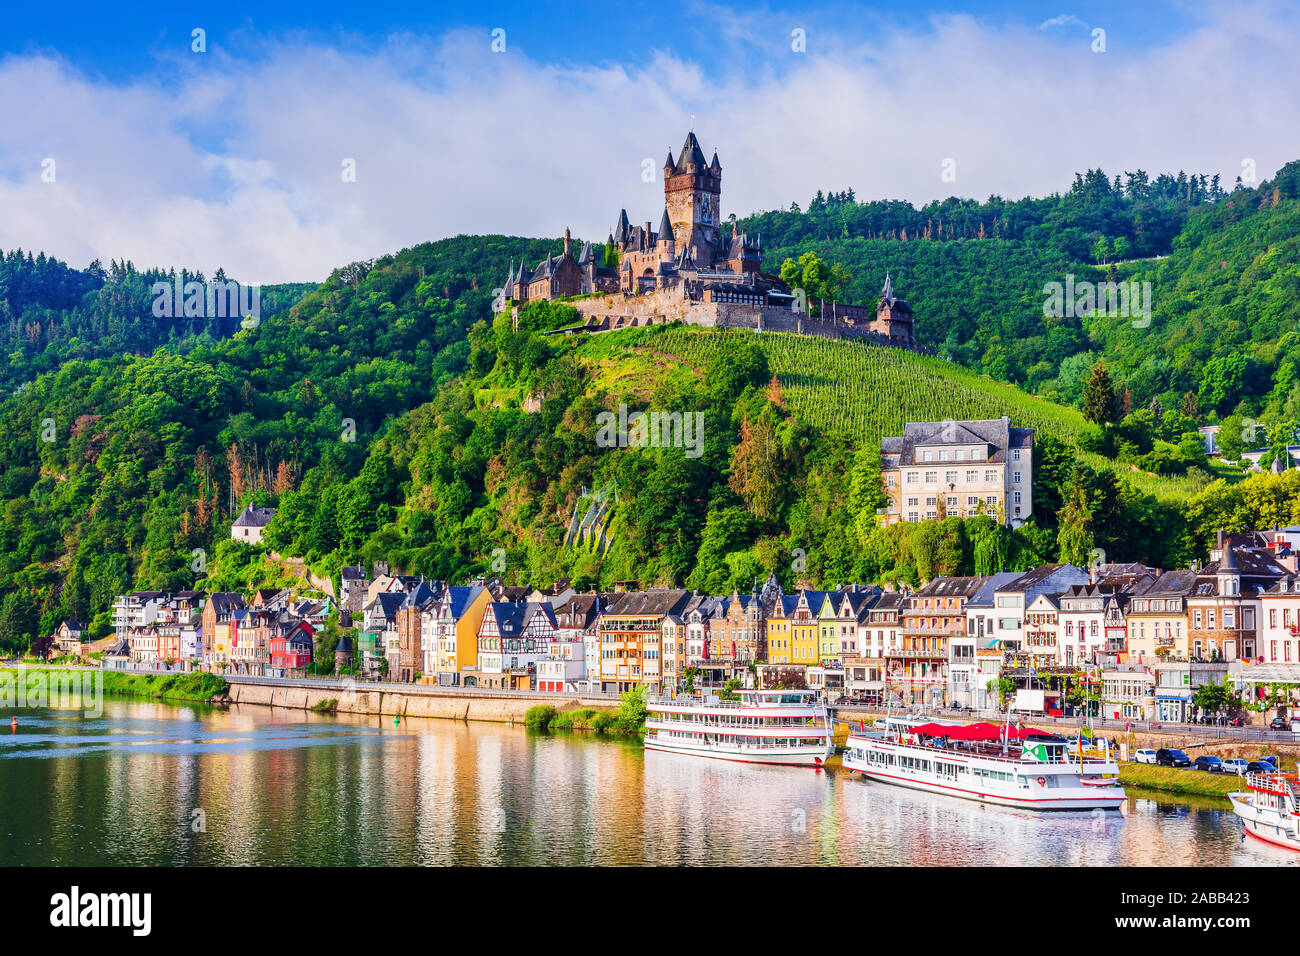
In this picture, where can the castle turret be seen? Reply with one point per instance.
(893, 316)
(665, 232)
(692, 193)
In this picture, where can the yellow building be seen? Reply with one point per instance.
(805, 628)
(459, 615)
(780, 639)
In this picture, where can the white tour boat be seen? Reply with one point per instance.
(789, 727)
(992, 764)
(1269, 808)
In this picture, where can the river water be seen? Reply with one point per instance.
(151, 783)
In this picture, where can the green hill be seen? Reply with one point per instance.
(388, 416)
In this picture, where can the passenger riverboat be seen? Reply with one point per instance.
(1268, 808)
(788, 727)
(1004, 765)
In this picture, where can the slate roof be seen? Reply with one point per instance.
(459, 597)
(255, 517)
(226, 602)
(651, 603)
(1031, 578)
(993, 583)
(665, 227)
(995, 432)
(1172, 582)
(951, 587)
(691, 153)
(888, 298)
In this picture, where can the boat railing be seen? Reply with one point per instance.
(1009, 757)
(659, 701)
(1282, 785)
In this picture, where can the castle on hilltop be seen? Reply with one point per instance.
(691, 270)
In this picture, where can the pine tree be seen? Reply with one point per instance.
(1100, 403)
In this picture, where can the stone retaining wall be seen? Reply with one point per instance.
(464, 706)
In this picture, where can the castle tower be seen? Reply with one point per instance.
(893, 316)
(693, 193)
(665, 238)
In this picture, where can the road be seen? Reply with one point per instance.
(1206, 732)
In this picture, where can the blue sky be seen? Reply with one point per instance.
(120, 141)
(122, 39)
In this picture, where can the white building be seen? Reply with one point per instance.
(248, 527)
(967, 468)
(1279, 633)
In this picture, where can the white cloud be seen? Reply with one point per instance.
(215, 161)
(1062, 20)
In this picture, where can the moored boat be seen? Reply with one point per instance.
(1269, 809)
(1003, 765)
(788, 727)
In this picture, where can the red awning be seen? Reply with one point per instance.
(978, 731)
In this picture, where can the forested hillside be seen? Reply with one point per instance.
(387, 414)
(1224, 268)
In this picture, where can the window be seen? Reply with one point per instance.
(1196, 618)
(931, 477)
(1015, 477)
(990, 476)
(972, 477)
(925, 455)
(1015, 456)
(950, 477)
(911, 477)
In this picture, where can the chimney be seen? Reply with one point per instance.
(1218, 540)
(567, 253)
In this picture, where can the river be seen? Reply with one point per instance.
(163, 784)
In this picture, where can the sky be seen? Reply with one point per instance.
(280, 144)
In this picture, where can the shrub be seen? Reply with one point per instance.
(540, 717)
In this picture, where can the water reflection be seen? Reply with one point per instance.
(149, 783)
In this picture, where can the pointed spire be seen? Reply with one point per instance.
(715, 165)
(665, 228)
(887, 294)
(669, 163)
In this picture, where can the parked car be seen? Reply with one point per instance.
(1279, 723)
(1256, 767)
(1172, 758)
(1144, 756)
(1234, 765)
(1209, 763)
(1271, 758)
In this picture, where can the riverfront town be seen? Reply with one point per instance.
(1121, 641)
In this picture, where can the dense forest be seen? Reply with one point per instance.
(387, 414)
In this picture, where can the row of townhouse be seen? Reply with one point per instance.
(191, 630)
